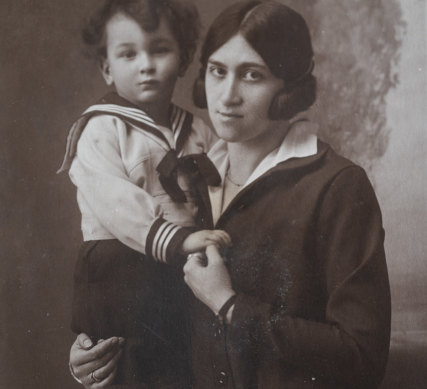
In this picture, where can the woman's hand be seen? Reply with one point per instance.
(95, 366)
(211, 284)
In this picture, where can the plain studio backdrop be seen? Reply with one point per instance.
(371, 66)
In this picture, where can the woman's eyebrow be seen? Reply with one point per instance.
(240, 65)
(217, 63)
(252, 65)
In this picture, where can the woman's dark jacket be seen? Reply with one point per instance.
(308, 264)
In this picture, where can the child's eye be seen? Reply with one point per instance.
(252, 75)
(128, 54)
(161, 50)
(217, 71)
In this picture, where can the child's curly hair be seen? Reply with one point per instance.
(182, 17)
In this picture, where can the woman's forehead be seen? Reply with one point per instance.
(236, 52)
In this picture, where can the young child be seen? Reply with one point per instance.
(137, 165)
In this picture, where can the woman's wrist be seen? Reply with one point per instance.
(226, 310)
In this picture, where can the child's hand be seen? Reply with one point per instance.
(198, 241)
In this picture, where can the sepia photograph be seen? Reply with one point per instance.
(202, 194)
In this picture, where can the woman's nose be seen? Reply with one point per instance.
(146, 63)
(230, 94)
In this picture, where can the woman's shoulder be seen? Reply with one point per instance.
(334, 162)
(326, 168)
(341, 172)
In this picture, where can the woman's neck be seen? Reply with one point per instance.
(245, 157)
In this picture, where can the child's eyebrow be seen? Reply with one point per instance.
(125, 45)
(162, 40)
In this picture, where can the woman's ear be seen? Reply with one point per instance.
(104, 68)
(287, 103)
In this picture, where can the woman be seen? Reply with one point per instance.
(302, 298)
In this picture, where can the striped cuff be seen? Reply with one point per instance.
(164, 241)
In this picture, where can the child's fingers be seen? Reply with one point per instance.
(227, 238)
(221, 237)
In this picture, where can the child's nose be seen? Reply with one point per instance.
(146, 63)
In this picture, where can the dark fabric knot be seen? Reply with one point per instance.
(198, 167)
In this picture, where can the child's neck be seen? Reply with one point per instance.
(159, 112)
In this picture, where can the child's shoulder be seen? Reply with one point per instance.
(103, 124)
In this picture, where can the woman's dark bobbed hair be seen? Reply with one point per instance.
(281, 37)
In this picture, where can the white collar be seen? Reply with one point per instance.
(300, 142)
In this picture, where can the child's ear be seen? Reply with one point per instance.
(104, 67)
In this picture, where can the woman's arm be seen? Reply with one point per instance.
(350, 346)
(100, 359)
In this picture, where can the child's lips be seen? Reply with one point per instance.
(146, 84)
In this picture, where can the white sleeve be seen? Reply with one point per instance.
(127, 211)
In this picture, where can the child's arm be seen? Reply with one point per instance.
(124, 209)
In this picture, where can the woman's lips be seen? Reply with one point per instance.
(230, 115)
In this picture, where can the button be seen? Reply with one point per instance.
(222, 378)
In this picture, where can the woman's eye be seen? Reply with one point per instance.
(252, 75)
(217, 71)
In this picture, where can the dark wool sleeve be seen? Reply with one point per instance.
(349, 348)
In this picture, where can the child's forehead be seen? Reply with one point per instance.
(121, 24)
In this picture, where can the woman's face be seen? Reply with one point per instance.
(239, 89)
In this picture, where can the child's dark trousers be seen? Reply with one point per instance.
(119, 292)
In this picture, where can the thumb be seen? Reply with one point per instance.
(214, 257)
(84, 341)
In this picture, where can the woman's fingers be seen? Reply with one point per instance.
(84, 362)
(106, 382)
(84, 373)
(84, 341)
(105, 371)
(214, 257)
(105, 350)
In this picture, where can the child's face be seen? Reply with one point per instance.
(143, 66)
